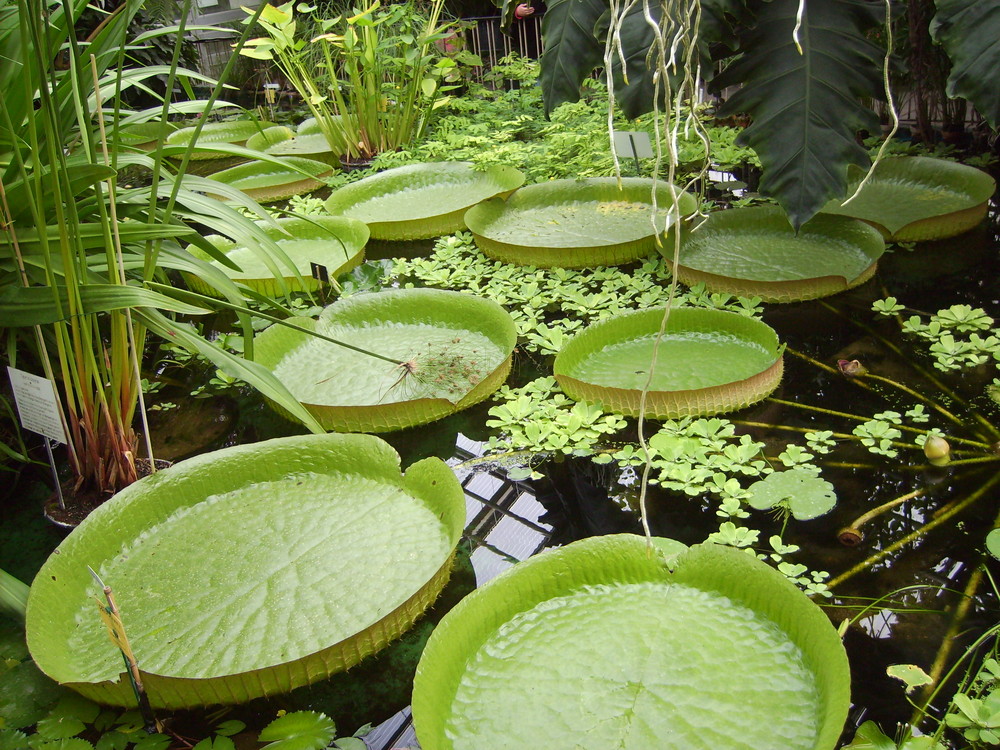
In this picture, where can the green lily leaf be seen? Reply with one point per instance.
(812, 99)
(603, 644)
(300, 730)
(909, 674)
(993, 543)
(800, 491)
(969, 30)
(310, 599)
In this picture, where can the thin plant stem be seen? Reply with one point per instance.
(864, 518)
(938, 520)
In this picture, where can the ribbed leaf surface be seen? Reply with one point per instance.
(969, 30)
(604, 644)
(337, 554)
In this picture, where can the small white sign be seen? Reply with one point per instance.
(36, 404)
(633, 144)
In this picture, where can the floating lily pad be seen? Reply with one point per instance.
(797, 491)
(145, 136)
(755, 252)
(336, 555)
(605, 644)
(266, 183)
(917, 198)
(334, 242)
(708, 361)
(234, 132)
(283, 141)
(575, 223)
(454, 348)
(420, 200)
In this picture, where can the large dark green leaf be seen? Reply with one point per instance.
(571, 49)
(805, 107)
(969, 30)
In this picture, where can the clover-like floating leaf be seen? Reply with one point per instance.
(709, 361)
(266, 182)
(455, 350)
(755, 252)
(575, 223)
(337, 554)
(604, 644)
(799, 491)
(299, 730)
(336, 243)
(917, 198)
(421, 200)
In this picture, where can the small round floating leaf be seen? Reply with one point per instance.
(601, 644)
(993, 543)
(710, 361)
(299, 730)
(575, 223)
(266, 182)
(755, 252)
(800, 491)
(455, 349)
(419, 201)
(334, 242)
(338, 553)
(917, 198)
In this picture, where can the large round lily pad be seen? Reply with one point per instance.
(267, 182)
(235, 132)
(575, 223)
(283, 141)
(755, 252)
(709, 361)
(916, 198)
(607, 644)
(249, 571)
(420, 200)
(455, 350)
(335, 243)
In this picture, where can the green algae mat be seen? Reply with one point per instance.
(249, 571)
(606, 643)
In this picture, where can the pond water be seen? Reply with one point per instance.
(911, 594)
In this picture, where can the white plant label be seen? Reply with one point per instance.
(36, 404)
(633, 144)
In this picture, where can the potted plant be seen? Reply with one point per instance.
(370, 78)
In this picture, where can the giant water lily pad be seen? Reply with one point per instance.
(917, 198)
(420, 200)
(335, 243)
(755, 252)
(606, 644)
(248, 571)
(283, 141)
(267, 182)
(235, 132)
(708, 361)
(575, 223)
(454, 348)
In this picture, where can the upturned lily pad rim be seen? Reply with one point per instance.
(623, 559)
(436, 307)
(931, 173)
(64, 577)
(575, 252)
(347, 238)
(835, 236)
(471, 186)
(726, 395)
(294, 176)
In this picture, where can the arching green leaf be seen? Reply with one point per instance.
(969, 30)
